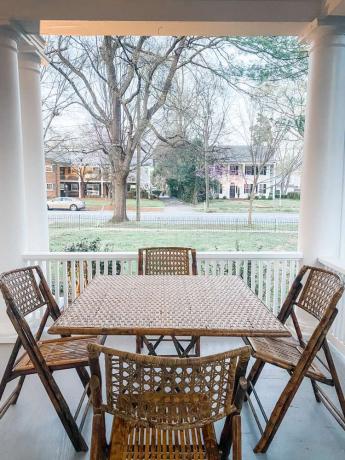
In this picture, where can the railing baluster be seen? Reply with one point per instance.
(81, 275)
(275, 305)
(268, 285)
(57, 282)
(260, 280)
(65, 283)
(98, 267)
(73, 280)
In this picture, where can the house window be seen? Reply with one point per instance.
(248, 188)
(249, 170)
(50, 187)
(92, 189)
(233, 170)
(262, 188)
(263, 171)
(74, 187)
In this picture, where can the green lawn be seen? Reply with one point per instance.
(100, 202)
(258, 205)
(131, 240)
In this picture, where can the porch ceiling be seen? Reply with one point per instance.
(208, 17)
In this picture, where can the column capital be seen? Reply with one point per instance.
(28, 58)
(329, 31)
(8, 38)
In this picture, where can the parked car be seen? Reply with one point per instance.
(73, 204)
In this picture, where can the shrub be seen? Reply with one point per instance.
(294, 195)
(84, 245)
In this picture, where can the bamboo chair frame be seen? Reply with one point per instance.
(25, 290)
(167, 261)
(162, 407)
(317, 292)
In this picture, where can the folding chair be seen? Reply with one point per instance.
(168, 261)
(165, 407)
(25, 290)
(317, 292)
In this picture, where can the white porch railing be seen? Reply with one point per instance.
(338, 328)
(268, 274)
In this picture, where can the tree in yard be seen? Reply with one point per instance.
(196, 123)
(108, 74)
(263, 136)
(181, 168)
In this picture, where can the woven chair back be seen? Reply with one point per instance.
(167, 261)
(171, 393)
(25, 290)
(320, 292)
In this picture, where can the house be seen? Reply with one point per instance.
(236, 174)
(66, 178)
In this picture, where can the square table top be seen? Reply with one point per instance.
(169, 305)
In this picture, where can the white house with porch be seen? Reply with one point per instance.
(237, 174)
(23, 213)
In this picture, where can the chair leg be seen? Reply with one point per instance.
(254, 374)
(83, 375)
(278, 413)
(63, 411)
(139, 343)
(335, 377)
(236, 438)
(12, 399)
(197, 347)
(18, 389)
(315, 390)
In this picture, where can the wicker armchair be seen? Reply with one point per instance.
(317, 292)
(165, 407)
(168, 261)
(25, 290)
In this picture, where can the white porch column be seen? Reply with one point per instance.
(12, 227)
(323, 201)
(12, 221)
(33, 152)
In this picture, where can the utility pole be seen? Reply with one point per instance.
(138, 170)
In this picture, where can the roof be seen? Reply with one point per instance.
(237, 154)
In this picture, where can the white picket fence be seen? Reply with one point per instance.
(268, 274)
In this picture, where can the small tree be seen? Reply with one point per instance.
(263, 136)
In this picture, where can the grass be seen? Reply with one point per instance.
(131, 240)
(100, 202)
(258, 205)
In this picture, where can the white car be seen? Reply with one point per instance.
(64, 202)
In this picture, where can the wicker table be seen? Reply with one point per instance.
(169, 305)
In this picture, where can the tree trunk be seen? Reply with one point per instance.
(119, 193)
(82, 190)
(207, 183)
(250, 209)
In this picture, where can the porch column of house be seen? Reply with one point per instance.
(322, 230)
(33, 152)
(12, 227)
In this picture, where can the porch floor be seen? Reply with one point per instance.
(32, 430)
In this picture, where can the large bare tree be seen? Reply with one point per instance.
(108, 74)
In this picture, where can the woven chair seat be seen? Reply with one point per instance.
(59, 353)
(130, 442)
(284, 352)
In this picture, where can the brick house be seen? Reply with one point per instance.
(65, 179)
